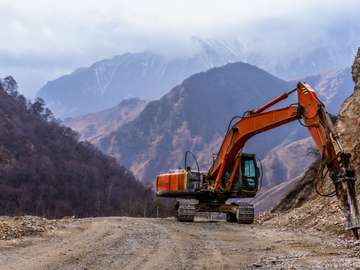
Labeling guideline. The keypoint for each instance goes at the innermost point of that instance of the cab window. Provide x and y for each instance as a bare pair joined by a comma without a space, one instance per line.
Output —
249,175
249,168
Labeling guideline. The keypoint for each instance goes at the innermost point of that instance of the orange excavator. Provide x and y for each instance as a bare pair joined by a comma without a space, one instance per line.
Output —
235,174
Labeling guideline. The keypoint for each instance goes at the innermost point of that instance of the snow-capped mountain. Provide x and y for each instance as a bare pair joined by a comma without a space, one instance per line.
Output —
149,75
105,83
288,64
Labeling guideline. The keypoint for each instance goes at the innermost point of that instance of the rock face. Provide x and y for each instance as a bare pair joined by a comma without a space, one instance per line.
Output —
92,127
349,120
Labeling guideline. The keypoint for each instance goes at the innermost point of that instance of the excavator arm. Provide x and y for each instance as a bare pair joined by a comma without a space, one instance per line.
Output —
243,130
231,176
313,115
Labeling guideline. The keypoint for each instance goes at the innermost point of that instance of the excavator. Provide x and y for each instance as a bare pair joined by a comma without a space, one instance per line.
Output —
236,174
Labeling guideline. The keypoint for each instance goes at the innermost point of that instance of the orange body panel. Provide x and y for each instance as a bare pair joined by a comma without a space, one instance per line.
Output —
171,182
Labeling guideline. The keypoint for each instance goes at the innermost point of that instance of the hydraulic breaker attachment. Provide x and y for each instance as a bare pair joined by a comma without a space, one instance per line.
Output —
344,179
349,204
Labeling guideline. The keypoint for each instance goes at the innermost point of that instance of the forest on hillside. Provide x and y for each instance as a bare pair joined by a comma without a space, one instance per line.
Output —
46,171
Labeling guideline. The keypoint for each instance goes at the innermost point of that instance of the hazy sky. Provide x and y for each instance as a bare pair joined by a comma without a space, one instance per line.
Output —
42,39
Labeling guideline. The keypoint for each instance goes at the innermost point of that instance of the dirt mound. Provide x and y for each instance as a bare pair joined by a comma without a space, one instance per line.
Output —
17,227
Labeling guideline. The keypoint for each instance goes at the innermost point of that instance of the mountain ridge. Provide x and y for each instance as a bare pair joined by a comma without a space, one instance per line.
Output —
92,127
148,75
105,83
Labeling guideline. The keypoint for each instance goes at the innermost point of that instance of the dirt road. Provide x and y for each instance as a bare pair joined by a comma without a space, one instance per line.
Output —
136,243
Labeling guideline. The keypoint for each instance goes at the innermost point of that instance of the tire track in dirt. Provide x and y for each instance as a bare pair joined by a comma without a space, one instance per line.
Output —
139,243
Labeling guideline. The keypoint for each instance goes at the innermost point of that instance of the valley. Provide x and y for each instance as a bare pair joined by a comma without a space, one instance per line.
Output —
179,135
173,124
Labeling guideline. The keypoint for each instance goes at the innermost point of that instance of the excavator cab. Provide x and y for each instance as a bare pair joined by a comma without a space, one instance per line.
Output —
244,182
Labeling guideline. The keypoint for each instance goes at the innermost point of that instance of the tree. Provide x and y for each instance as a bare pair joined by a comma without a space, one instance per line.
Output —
46,171
48,115
38,107
10,86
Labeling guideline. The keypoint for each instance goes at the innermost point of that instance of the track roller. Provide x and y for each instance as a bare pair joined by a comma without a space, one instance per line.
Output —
186,210
231,218
245,213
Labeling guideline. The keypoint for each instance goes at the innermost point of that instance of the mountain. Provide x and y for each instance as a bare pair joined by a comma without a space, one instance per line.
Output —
94,126
194,116
149,75
46,171
333,87
288,62
229,88
285,162
105,83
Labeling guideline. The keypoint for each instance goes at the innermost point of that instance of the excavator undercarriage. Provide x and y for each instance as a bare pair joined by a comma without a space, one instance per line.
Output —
241,212
192,188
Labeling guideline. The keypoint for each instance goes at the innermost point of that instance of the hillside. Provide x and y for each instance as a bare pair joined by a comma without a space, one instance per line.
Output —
46,171
303,208
92,127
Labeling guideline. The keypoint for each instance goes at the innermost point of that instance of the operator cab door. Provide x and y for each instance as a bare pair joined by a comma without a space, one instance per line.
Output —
249,172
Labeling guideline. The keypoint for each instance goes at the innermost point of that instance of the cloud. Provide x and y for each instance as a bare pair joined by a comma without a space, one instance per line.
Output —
49,36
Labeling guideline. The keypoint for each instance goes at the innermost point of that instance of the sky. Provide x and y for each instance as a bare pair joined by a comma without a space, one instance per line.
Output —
44,39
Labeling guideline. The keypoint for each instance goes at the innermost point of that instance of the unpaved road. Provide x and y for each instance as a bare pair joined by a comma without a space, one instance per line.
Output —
137,243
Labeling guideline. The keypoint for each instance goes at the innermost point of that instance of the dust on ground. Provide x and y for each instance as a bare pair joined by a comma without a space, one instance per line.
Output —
144,243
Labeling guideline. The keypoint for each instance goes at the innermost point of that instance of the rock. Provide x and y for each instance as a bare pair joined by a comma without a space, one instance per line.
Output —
21,226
